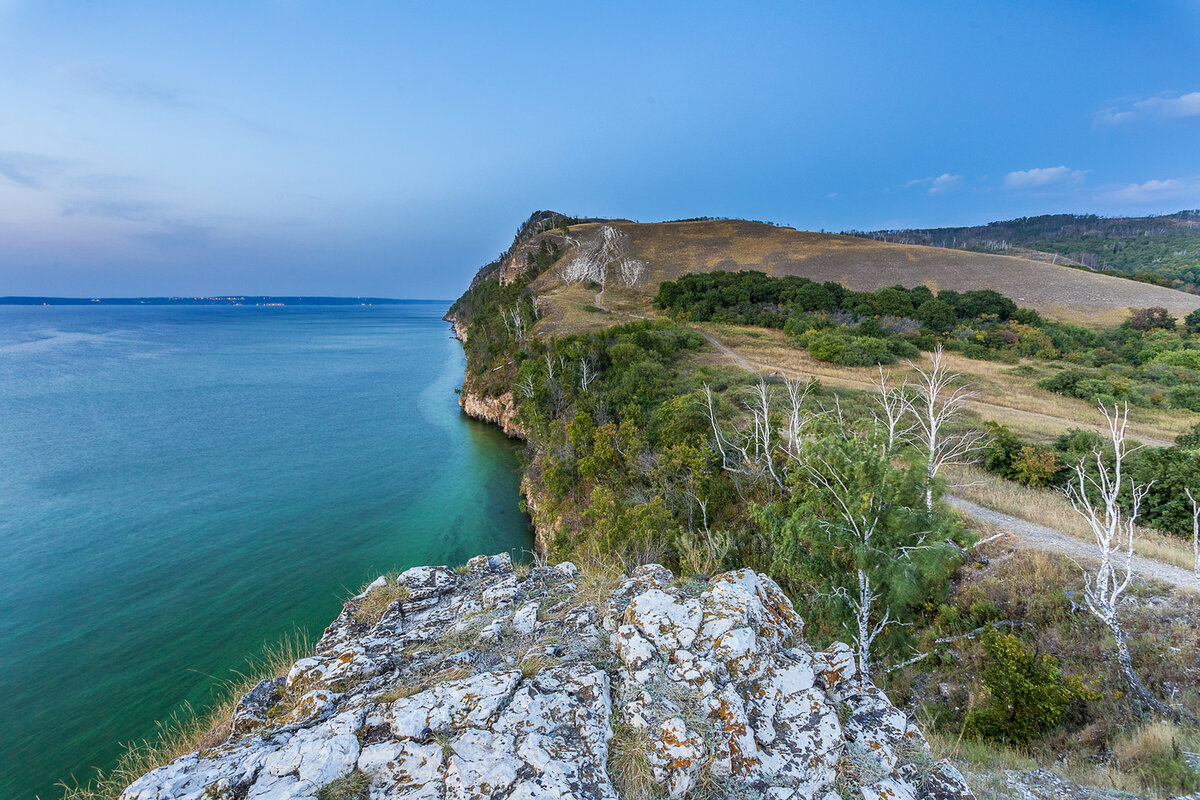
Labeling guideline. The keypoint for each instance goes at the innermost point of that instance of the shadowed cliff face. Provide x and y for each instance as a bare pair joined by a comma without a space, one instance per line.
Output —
548,683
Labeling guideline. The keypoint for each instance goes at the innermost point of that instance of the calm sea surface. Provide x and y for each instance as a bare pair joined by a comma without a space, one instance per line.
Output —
181,486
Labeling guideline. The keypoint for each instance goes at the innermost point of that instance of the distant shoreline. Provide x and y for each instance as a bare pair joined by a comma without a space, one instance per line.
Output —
226,300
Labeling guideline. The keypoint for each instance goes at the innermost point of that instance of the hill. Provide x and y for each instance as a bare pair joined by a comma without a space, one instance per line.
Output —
1163,249
670,249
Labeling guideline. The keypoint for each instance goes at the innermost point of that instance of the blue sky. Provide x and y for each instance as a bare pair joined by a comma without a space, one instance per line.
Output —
391,148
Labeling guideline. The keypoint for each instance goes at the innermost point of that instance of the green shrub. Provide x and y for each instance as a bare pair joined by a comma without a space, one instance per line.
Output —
1186,397
866,351
1179,358
355,786
1036,466
1191,439
827,347
1028,693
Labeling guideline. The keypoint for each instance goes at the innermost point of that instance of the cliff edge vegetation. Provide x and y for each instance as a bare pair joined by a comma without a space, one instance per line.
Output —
690,397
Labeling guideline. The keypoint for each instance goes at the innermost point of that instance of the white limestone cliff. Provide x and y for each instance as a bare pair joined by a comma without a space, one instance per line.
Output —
493,683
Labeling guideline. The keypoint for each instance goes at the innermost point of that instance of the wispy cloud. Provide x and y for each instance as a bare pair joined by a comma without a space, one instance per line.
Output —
30,170
108,80
110,208
938,184
1156,190
1043,177
1161,107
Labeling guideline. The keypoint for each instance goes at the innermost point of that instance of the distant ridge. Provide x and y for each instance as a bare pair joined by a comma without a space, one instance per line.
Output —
223,300
666,250
1164,250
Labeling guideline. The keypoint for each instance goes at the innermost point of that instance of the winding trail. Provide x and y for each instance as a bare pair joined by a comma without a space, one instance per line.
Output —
1051,540
1033,534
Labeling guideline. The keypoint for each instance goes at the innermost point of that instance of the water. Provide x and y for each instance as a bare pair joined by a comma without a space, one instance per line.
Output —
180,486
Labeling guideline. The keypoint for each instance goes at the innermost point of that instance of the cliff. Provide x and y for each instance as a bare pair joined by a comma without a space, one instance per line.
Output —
492,683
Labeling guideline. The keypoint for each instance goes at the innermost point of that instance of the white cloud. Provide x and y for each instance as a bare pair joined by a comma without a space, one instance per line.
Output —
1184,106
937,185
1041,177
1156,190
944,183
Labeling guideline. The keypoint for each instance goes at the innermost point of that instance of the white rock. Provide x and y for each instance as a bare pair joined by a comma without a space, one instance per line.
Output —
668,623
525,620
633,648
462,703
720,682
411,767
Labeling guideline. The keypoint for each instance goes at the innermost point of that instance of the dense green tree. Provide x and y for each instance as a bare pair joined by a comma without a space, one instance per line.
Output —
854,533
936,314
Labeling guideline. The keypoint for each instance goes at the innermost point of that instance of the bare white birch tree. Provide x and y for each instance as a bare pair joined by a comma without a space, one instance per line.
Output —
526,387
895,407
749,448
587,372
796,417
1195,535
1098,499
515,322
937,407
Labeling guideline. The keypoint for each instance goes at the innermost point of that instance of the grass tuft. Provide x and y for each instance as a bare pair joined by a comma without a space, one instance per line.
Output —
534,664
629,763
355,786
371,608
599,577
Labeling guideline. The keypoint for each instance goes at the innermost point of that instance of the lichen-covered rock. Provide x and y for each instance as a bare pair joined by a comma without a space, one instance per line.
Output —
487,683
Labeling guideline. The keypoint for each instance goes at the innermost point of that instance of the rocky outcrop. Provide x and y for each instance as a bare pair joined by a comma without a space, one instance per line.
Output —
511,263
487,682
501,411
544,526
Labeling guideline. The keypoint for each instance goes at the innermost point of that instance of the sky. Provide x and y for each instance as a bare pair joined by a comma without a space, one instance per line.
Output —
391,148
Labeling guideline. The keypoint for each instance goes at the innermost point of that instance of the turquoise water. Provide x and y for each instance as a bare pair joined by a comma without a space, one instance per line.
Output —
180,486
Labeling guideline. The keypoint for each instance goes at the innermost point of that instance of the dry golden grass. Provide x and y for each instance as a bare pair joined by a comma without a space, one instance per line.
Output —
370,609
629,764
1155,737
450,674
1046,507
671,249
1006,395
398,692
532,665
186,732
599,577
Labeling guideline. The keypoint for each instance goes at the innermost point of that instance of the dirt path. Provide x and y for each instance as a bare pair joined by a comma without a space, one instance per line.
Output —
1039,536
1044,538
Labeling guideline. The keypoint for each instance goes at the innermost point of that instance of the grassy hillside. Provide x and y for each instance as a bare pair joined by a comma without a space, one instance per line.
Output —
1163,249
670,249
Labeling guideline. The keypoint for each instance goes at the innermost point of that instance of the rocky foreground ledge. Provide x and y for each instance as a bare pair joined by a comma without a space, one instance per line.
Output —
486,683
